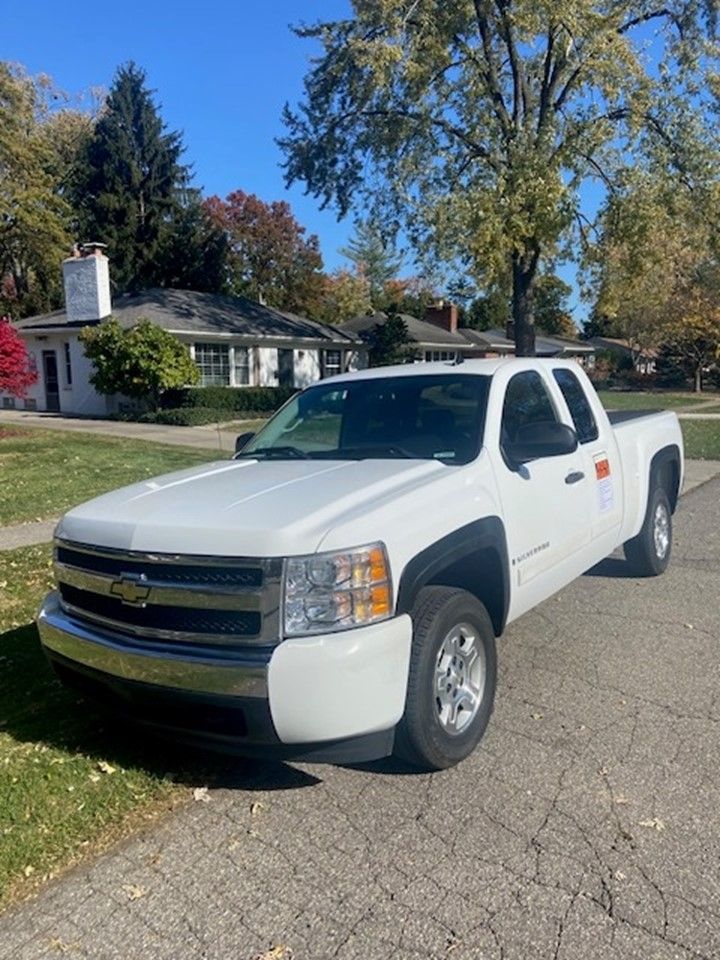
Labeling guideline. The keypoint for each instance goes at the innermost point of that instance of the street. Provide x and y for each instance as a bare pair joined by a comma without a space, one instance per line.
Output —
586,826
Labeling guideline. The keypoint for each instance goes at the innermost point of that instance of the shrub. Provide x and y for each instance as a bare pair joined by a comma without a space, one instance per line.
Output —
245,400
186,416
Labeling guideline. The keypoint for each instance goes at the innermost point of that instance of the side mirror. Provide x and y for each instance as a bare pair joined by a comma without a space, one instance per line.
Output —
243,440
542,439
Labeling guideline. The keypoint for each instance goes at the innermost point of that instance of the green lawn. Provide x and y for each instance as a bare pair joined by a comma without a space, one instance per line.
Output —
702,439
646,400
65,784
44,472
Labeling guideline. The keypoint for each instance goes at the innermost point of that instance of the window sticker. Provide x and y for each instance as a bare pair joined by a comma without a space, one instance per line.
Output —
605,491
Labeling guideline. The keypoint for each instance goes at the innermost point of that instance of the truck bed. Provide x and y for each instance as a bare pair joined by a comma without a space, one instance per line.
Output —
622,416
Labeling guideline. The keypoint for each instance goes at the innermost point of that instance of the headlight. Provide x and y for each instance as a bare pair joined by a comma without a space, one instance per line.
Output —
335,591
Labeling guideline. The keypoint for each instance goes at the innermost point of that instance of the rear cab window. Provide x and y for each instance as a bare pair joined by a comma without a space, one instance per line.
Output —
578,404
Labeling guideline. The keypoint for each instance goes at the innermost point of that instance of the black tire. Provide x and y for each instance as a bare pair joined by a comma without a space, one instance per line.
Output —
424,739
649,552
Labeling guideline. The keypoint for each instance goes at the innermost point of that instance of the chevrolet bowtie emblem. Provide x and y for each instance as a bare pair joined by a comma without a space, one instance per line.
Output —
131,590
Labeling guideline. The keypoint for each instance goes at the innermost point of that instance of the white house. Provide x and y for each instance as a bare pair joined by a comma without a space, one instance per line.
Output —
235,342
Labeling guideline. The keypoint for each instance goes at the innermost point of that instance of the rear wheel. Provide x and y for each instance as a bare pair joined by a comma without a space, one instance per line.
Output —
649,552
451,685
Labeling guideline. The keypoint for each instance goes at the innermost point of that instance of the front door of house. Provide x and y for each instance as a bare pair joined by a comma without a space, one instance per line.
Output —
50,376
286,368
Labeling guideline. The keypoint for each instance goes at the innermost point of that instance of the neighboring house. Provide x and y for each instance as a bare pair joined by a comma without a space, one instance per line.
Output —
642,360
234,341
438,337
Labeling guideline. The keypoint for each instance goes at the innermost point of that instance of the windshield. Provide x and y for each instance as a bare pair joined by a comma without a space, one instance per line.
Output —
429,417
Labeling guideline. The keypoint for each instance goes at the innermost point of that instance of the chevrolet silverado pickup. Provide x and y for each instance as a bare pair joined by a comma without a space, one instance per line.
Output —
335,591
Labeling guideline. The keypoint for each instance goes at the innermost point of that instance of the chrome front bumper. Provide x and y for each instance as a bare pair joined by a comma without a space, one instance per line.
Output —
152,663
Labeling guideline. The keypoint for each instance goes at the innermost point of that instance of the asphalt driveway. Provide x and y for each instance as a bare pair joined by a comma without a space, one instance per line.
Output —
585,827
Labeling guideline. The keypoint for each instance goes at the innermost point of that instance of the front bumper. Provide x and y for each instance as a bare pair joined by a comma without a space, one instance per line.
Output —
330,697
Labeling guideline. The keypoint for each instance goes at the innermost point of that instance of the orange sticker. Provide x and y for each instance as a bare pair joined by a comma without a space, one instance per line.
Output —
602,468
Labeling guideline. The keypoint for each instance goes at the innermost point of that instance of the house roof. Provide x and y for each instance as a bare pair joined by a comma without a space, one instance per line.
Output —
419,331
187,311
547,346
488,339
621,346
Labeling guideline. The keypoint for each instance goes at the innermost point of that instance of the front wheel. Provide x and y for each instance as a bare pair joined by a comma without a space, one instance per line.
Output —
649,552
452,679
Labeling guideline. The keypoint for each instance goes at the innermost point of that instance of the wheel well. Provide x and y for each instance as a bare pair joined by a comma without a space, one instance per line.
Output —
665,473
481,574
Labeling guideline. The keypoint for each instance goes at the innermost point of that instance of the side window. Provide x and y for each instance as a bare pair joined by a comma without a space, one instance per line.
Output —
578,405
526,401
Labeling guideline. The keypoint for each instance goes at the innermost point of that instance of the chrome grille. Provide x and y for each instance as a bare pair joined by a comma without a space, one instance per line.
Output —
192,599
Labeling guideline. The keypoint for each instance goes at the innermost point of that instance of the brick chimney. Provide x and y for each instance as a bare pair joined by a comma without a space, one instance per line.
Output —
86,278
444,315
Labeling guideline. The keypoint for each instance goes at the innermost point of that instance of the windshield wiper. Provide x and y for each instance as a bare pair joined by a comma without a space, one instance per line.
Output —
268,453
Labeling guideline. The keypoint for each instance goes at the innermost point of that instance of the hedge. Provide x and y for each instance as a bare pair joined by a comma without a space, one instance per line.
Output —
195,416
262,400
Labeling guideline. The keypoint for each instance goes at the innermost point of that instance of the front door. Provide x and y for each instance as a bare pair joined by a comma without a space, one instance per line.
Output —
50,376
286,368
546,502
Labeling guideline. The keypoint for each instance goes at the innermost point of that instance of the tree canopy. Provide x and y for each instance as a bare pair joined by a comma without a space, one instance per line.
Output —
476,122
38,148
128,189
269,255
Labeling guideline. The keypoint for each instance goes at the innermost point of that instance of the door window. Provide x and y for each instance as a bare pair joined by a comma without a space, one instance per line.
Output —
526,401
578,405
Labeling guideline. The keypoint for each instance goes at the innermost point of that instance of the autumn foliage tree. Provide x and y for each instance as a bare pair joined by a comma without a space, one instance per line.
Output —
17,373
476,122
270,258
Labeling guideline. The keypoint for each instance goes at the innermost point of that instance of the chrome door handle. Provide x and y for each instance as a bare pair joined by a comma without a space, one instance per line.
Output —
575,477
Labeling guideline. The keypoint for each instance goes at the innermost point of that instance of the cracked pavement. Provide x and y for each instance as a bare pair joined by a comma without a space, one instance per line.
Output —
586,825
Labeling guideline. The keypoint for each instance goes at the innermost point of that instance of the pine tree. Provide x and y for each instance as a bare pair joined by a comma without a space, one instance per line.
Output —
129,192
373,258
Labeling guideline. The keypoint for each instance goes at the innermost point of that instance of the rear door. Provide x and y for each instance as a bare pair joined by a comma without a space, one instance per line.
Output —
602,462
545,502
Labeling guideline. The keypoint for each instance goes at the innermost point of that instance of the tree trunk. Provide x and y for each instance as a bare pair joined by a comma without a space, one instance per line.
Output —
524,269
698,379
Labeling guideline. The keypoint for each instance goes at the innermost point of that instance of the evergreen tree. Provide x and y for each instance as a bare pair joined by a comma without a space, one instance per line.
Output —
194,255
129,190
373,258
390,342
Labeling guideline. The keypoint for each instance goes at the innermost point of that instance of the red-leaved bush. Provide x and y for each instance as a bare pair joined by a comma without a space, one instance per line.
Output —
17,373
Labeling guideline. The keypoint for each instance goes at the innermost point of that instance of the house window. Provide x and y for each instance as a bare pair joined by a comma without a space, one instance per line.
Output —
242,366
432,356
68,365
213,360
332,363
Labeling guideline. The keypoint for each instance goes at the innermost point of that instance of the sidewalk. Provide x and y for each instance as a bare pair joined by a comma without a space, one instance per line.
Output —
208,437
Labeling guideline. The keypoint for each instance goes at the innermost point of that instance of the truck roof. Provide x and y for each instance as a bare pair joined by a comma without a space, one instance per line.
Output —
426,368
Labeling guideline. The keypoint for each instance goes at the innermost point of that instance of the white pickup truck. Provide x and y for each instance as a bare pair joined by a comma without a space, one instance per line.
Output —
335,591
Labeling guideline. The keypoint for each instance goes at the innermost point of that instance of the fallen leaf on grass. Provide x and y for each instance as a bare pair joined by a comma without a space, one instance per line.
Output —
201,795
654,824
105,767
134,891
29,871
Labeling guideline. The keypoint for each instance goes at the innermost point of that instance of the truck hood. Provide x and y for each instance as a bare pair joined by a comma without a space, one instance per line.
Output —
243,507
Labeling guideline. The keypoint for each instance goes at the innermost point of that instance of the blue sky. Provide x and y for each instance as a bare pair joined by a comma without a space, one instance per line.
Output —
222,72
